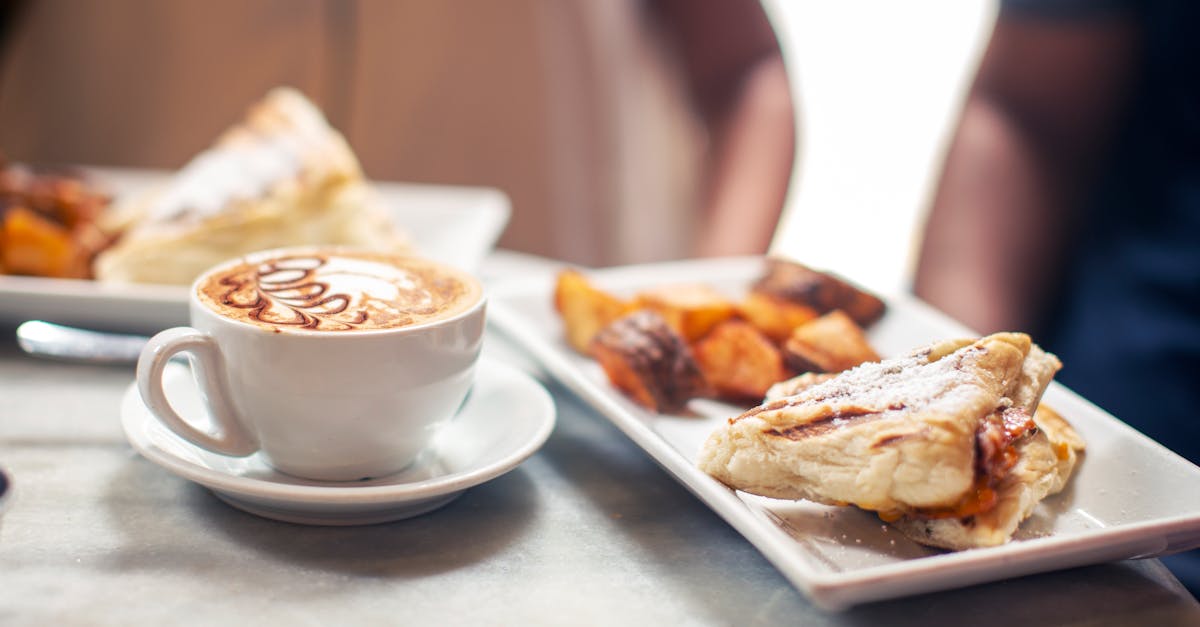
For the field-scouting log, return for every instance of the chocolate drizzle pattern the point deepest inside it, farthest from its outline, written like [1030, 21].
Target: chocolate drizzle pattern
[336, 293]
[291, 282]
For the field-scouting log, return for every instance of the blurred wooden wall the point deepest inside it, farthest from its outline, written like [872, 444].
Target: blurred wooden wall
[566, 106]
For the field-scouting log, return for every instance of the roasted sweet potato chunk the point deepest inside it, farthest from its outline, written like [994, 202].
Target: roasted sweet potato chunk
[648, 360]
[691, 309]
[831, 343]
[821, 291]
[33, 245]
[738, 361]
[584, 308]
[670, 343]
[48, 222]
[776, 317]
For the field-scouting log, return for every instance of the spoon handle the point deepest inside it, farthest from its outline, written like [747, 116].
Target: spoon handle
[45, 339]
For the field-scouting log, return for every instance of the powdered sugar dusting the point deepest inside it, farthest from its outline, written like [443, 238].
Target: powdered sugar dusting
[279, 138]
[910, 383]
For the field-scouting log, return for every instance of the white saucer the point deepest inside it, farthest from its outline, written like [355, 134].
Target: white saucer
[507, 417]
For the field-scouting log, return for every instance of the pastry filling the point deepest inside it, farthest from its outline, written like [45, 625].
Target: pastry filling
[996, 453]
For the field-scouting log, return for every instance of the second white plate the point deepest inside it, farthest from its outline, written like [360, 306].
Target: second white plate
[456, 225]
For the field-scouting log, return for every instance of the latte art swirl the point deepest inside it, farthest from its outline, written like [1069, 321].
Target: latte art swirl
[345, 291]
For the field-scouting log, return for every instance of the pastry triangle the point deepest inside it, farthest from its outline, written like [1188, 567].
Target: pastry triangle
[280, 177]
[945, 433]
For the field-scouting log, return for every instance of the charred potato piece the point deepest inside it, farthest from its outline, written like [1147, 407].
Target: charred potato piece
[649, 361]
[691, 309]
[738, 361]
[584, 308]
[68, 200]
[831, 343]
[821, 291]
[776, 317]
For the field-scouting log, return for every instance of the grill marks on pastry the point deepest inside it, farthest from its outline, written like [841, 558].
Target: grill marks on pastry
[831, 418]
[870, 392]
[875, 391]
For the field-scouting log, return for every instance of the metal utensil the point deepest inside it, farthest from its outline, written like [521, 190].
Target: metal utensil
[56, 341]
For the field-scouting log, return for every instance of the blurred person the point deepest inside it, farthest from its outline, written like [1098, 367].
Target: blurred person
[1070, 206]
[621, 131]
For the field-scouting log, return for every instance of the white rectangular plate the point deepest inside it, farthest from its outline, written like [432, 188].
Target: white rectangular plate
[1130, 497]
[457, 225]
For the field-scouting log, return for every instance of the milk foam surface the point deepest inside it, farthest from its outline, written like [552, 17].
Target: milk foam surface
[342, 291]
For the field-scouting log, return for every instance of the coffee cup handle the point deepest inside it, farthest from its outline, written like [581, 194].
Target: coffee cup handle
[232, 438]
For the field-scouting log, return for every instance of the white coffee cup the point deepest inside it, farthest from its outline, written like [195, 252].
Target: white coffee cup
[322, 395]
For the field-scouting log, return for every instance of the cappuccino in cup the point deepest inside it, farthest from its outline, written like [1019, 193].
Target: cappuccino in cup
[338, 291]
[333, 364]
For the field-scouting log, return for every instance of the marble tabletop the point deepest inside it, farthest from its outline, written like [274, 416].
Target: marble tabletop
[588, 531]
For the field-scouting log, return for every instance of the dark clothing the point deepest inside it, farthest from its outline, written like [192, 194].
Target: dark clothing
[1128, 324]
[1127, 327]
